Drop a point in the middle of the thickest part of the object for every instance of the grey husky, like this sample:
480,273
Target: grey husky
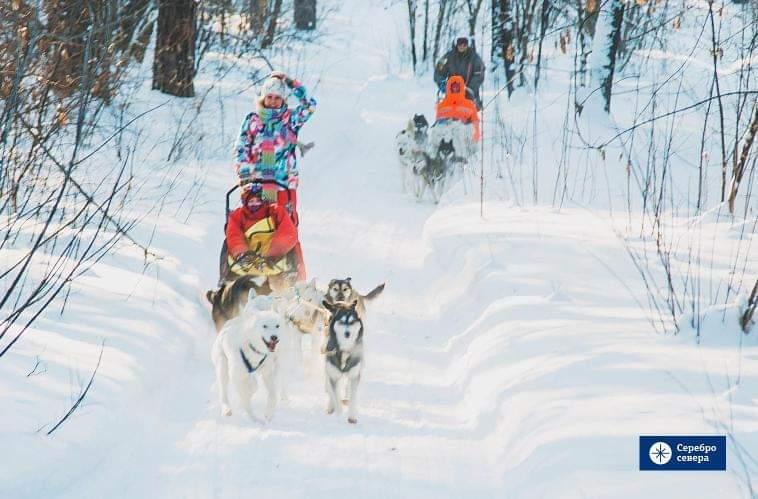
433,172
410,144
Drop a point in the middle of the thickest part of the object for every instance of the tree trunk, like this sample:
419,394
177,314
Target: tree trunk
67,23
502,43
258,15
544,18
305,14
268,40
412,25
174,62
438,29
425,49
586,21
605,48
473,15
525,34
739,168
747,316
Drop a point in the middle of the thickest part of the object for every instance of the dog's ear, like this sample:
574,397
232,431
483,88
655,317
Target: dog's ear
262,303
348,279
280,304
211,296
312,284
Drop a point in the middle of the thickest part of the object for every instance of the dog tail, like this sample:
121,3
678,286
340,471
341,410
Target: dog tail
211,296
374,292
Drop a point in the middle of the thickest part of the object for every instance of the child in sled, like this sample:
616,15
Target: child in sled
262,239
455,106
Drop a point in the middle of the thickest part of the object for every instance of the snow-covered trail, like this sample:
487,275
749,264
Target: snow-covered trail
506,357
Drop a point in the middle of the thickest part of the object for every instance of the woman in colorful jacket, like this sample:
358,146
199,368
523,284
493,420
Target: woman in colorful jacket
261,238
268,139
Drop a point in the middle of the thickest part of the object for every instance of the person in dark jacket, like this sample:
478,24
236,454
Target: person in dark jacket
461,60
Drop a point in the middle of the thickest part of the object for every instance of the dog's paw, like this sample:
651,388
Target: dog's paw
226,410
330,410
352,420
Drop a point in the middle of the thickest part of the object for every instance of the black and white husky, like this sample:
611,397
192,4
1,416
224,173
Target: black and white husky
344,356
411,144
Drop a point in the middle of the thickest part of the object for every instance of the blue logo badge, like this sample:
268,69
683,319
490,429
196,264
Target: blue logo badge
683,453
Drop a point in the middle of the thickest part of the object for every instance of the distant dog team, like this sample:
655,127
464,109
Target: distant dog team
428,154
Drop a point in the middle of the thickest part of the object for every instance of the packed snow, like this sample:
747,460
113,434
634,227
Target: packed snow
513,353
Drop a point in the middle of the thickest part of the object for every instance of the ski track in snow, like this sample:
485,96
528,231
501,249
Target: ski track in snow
504,359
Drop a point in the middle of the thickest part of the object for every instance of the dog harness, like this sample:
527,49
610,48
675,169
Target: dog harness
344,361
315,312
248,365
336,357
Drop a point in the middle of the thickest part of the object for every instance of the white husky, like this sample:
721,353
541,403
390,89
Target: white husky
246,347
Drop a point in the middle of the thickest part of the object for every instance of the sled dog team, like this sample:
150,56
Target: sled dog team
429,154
255,331
263,300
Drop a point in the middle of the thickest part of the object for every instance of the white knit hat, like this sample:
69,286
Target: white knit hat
273,86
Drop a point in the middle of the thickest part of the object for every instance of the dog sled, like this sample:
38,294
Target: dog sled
254,262
456,119
433,154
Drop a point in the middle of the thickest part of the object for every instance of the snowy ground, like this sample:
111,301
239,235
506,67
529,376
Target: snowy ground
508,357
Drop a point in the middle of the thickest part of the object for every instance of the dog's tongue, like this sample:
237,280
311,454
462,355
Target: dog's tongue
271,345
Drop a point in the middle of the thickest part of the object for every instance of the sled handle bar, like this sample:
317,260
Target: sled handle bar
261,181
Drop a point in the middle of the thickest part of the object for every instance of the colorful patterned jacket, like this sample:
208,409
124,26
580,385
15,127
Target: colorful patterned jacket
268,139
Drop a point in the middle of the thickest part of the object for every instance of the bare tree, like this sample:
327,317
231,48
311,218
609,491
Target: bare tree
473,7
174,62
606,45
412,7
425,48
503,38
305,14
68,224
442,13
273,19
741,162
258,12
544,20
586,19
747,315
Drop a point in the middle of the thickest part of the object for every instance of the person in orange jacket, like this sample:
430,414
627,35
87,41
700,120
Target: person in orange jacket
456,106
260,236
